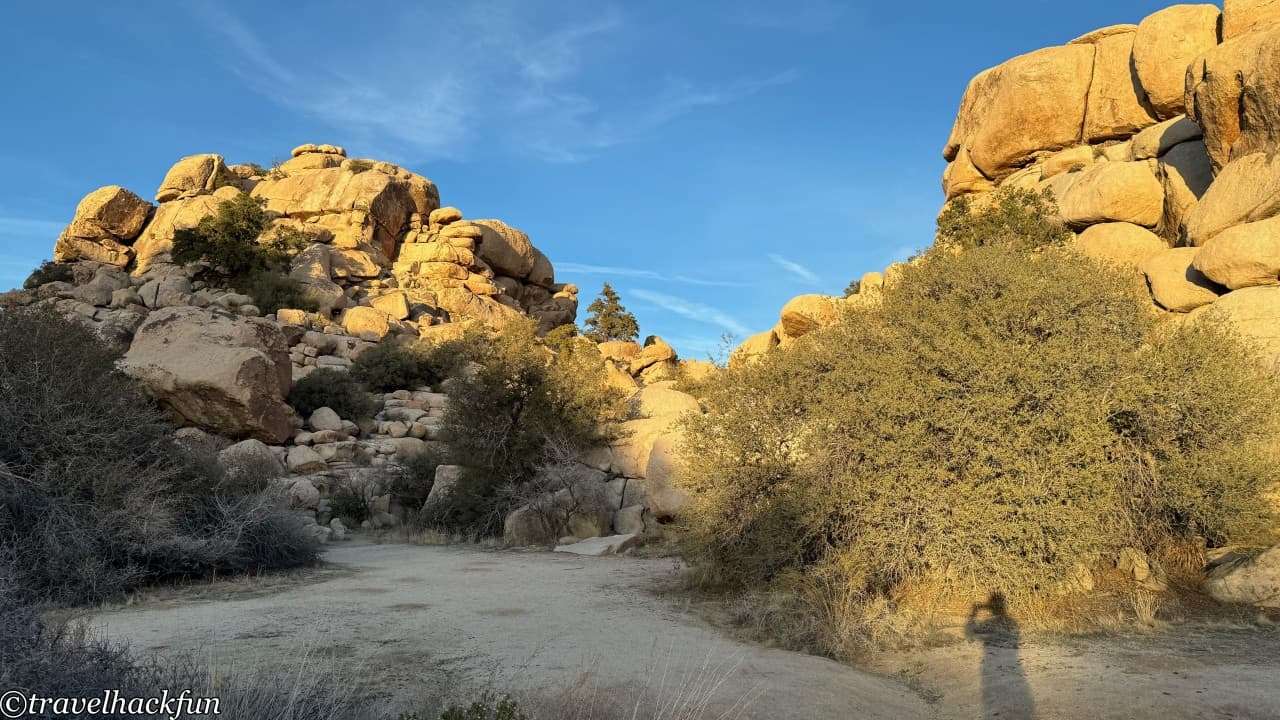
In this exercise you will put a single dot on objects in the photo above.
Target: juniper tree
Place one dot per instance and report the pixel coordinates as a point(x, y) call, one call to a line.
point(608, 319)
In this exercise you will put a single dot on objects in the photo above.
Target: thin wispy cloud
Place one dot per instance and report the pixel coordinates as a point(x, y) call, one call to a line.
point(615, 271)
point(796, 269)
point(28, 227)
point(691, 310)
point(497, 77)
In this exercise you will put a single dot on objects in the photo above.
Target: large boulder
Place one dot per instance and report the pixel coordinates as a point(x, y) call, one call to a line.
point(222, 372)
point(1240, 17)
point(1029, 104)
point(506, 249)
point(367, 209)
point(1247, 580)
point(1175, 283)
point(1115, 108)
point(654, 401)
point(1243, 256)
point(1114, 192)
point(251, 456)
point(665, 498)
point(656, 351)
point(805, 313)
point(1245, 190)
point(630, 453)
point(156, 241)
point(1233, 92)
point(753, 347)
point(366, 323)
point(1119, 244)
point(1167, 41)
point(1254, 313)
point(107, 220)
point(194, 175)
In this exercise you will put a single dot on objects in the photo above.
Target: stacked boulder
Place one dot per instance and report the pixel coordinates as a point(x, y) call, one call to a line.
point(385, 261)
point(1158, 142)
point(481, 269)
point(804, 314)
point(631, 364)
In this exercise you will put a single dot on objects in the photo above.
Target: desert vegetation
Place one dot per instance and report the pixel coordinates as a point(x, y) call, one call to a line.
point(1010, 418)
point(237, 246)
point(96, 498)
point(515, 409)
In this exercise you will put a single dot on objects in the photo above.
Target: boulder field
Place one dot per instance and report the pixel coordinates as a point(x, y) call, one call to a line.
point(385, 262)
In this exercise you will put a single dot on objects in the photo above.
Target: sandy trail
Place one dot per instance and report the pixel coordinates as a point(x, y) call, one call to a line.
point(408, 619)
point(408, 616)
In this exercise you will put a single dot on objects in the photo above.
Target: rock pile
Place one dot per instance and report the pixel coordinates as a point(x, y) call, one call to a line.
point(1158, 142)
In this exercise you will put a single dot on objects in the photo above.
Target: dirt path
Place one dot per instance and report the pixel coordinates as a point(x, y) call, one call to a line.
point(407, 618)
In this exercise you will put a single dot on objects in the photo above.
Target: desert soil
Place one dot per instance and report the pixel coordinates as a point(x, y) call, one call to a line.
point(410, 619)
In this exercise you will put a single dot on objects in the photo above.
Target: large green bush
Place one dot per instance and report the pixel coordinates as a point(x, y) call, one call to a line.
point(334, 389)
point(390, 366)
point(235, 247)
point(517, 405)
point(95, 497)
point(1003, 418)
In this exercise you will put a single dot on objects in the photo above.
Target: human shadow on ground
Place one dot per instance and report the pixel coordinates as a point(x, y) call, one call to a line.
point(1006, 694)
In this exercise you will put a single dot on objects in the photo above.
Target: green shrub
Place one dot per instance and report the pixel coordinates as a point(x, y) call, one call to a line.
point(334, 389)
point(257, 169)
point(95, 497)
point(48, 272)
point(410, 482)
point(1001, 419)
point(358, 166)
point(1010, 216)
point(272, 291)
point(230, 241)
point(392, 366)
point(503, 420)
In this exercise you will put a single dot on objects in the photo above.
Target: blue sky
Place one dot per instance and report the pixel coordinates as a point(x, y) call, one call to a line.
point(710, 159)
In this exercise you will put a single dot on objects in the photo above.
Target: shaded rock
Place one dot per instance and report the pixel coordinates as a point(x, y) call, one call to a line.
point(253, 455)
point(1185, 173)
point(1158, 139)
point(506, 249)
point(224, 373)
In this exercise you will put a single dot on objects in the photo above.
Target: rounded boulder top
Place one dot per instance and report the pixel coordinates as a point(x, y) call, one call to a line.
point(322, 149)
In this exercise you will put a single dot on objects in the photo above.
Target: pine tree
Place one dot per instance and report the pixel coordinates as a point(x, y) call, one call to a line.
point(608, 319)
